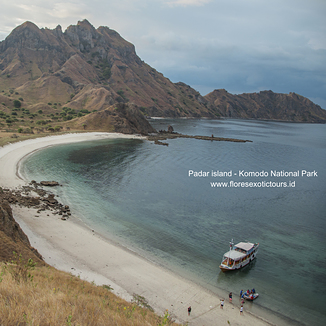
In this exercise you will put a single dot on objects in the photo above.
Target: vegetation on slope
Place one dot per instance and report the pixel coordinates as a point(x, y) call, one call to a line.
point(33, 293)
point(46, 296)
point(51, 117)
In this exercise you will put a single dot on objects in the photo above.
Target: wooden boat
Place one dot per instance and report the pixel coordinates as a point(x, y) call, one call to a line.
point(239, 256)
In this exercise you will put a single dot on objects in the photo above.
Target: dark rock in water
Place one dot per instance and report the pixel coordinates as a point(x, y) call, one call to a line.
point(170, 129)
point(45, 201)
point(163, 135)
point(49, 183)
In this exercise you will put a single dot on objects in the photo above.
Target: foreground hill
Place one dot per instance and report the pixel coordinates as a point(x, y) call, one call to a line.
point(49, 76)
point(38, 294)
point(12, 237)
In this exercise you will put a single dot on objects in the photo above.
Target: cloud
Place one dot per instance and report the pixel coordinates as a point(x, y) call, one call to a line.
point(43, 14)
point(186, 3)
point(69, 10)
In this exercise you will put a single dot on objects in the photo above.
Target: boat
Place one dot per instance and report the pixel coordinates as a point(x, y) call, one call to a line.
point(239, 256)
point(250, 296)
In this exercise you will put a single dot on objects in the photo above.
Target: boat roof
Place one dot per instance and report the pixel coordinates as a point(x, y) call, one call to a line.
point(237, 254)
point(244, 245)
point(233, 254)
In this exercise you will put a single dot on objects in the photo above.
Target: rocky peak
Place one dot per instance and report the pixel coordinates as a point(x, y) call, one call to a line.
point(82, 34)
point(27, 35)
point(24, 27)
point(85, 24)
point(58, 31)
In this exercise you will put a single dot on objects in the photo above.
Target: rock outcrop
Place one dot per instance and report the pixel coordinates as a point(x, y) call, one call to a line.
point(12, 237)
point(122, 117)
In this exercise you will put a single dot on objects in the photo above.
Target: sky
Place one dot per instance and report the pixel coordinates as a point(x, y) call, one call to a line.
point(243, 46)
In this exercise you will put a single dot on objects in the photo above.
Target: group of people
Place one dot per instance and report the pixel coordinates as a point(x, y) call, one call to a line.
point(230, 300)
point(248, 292)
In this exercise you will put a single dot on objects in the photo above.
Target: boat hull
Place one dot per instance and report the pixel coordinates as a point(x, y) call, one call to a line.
point(234, 268)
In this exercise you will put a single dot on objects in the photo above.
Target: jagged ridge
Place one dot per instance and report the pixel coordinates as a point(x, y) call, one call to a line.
point(266, 105)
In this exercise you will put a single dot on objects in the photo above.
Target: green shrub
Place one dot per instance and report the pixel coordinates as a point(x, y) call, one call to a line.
point(17, 104)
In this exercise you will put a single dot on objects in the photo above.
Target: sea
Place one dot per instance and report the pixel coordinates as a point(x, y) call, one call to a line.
point(181, 205)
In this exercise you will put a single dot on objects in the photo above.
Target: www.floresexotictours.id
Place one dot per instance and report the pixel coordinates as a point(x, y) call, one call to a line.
point(251, 184)
point(243, 174)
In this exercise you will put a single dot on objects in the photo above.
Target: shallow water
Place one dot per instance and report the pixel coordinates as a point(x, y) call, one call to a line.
point(142, 196)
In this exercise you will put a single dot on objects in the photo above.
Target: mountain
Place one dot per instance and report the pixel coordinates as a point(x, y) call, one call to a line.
point(48, 76)
point(266, 105)
point(89, 69)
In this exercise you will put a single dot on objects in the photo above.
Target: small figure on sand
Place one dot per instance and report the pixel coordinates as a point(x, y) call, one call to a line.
point(222, 303)
point(241, 309)
point(241, 293)
point(189, 310)
point(230, 296)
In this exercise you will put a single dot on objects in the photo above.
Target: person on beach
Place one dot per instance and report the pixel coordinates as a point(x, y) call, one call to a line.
point(222, 303)
point(241, 293)
point(241, 309)
point(230, 296)
point(189, 310)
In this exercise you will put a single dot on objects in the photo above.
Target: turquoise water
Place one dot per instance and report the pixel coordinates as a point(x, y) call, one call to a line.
point(141, 195)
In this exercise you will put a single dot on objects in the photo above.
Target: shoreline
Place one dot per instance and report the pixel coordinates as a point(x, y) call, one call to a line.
point(75, 248)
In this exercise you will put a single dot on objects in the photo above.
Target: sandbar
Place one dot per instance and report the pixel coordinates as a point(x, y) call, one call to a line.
point(73, 247)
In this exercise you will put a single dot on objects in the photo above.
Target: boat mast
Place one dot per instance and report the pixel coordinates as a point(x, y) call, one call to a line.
point(231, 246)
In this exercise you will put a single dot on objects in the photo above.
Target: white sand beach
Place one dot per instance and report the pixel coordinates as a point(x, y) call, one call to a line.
point(73, 247)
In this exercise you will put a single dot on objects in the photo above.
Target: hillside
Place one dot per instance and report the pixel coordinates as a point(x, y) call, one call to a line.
point(123, 118)
point(32, 292)
point(88, 68)
point(12, 237)
point(266, 105)
point(49, 77)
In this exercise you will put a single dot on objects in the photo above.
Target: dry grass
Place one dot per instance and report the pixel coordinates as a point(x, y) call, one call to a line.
point(50, 297)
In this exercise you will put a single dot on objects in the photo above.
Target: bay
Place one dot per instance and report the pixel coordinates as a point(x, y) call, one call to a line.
point(142, 196)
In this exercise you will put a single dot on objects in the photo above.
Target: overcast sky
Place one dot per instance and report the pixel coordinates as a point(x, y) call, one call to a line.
point(240, 45)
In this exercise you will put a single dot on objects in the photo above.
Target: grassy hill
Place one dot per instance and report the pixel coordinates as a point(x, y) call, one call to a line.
point(34, 293)
point(45, 296)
